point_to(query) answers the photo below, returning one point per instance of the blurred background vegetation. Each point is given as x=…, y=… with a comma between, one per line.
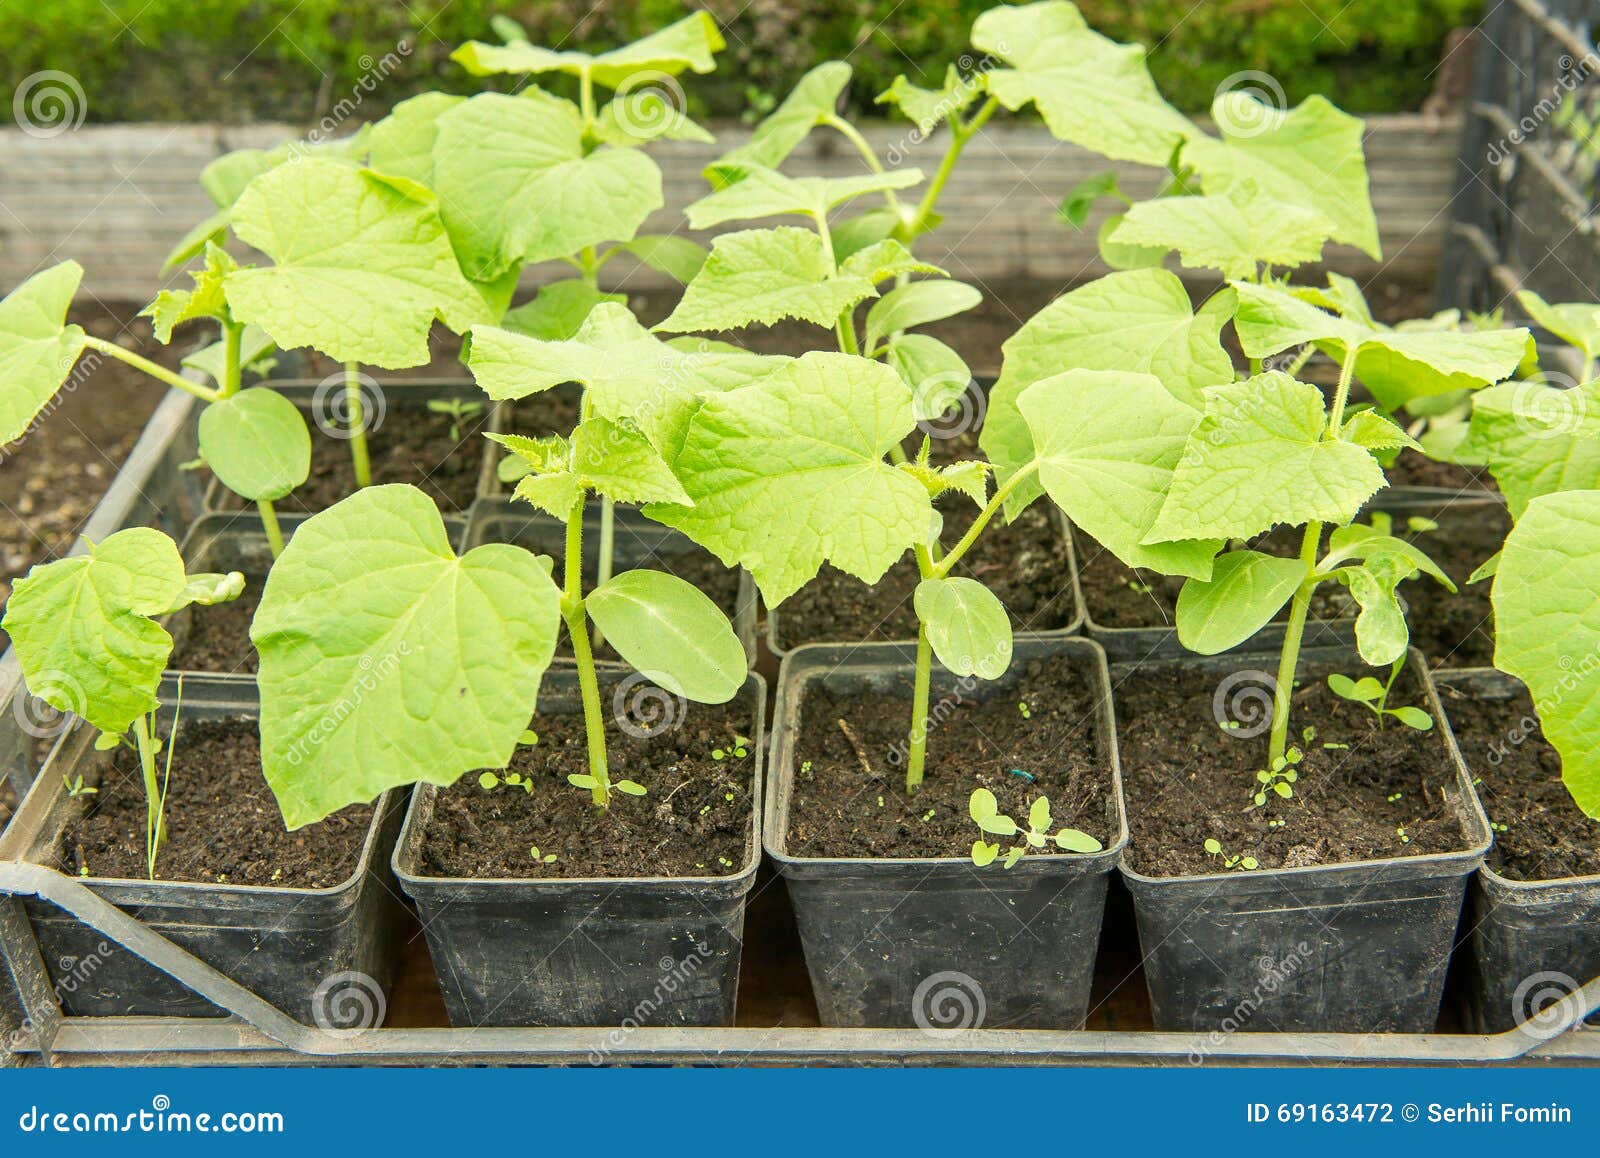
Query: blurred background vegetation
x=293, y=60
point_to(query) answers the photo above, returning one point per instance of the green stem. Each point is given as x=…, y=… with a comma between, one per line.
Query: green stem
x=269, y=522
x=158, y=372
x=232, y=333
x=576, y=619
x=845, y=328
x=960, y=133
x=608, y=547
x=918, y=754
x=357, y=422
x=586, y=99
x=1341, y=394
x=589, y=266
x=144, y=736
x=953, y=556
x=1294, y=633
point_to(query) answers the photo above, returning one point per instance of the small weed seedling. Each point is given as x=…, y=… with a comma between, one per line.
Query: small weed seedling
x=985, y=812
x=1375, y=695
x=459, y=409
x=1238, y=861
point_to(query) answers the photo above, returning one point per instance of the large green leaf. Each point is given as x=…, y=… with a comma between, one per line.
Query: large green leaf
x=37, y=347
x=1538, y=439
x=677, y=257
x=1258, y=458
x=1577, y=323
x=916, y=303
x=620, y=463
x=967, y=626
x=1107, y=444
x=386, y=660
x=690, y=43
x=1139, y=321
x=789, y=472
x=256, y=443
x=1395, y=364
x=362, y=267
x=809, y=103
x=1091, y=91
x=759, y=193
x=1234, y=232
x=672, y=632
x=558, y=310
x=762, y=276
x=84, y=627
x=516, y=185
x=937, y=375
x=402, y=143
x=1310, y=156
x=1246, y=589
x=1547, y=628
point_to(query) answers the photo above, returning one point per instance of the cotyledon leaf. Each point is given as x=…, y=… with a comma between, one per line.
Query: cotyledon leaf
x=967, y=626
x=672, y=632
x=386, y=660
x=37, y=347
x=1246, y=589
x=690, y=43
x=256, y=443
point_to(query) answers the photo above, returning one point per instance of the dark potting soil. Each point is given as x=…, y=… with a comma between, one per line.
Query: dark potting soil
x=694, y=822
x=1189, y=780
x=218, y=639
x=1411, y=469
x=1518, y=777
x=849, y=792
x=1024, y=563
x=1117, y=596
x=1457, y=630
x=543, y=414
x=223, y=825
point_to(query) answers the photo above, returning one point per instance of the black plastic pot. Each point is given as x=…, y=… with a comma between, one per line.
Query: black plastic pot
x=636, y=542
x=306, y=951
x=781, y=646
x=935, y=942
x=625, y=952
x=1530, y=941
x=1342, y=948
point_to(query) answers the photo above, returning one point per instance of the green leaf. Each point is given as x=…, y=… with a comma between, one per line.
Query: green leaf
x=984, y=853
x=1487, y=569
x=1576, y=323
x=1372, y=430
x=763, y=276
x=865, y=230
x=1091, y=91
x=208, y=588
x=677, y=257
x=544, y=455
x=341, y=236
x=998, y=825
x=788, y=473
x=1413, y=718
x=981, y=805
x=928, y=108
x=555, y=494
x=1395, y=364
x=1039, y=814
x=1547, y=628
x=672, y=632
x=619, y=462
x=809, y=103
x=1362, y=542
x=213, y=230
x=1074, y=841
x=206, y=300
x=916, y=303
x=967, y=626
x=1121, y=256
x=1364, y=691
x=758, y=193
x=936, y=374
x=83, y=627
x=386, y=660
x=1013, y=856
x=629, y=787
x=1107, y=445
x=403, y=141
x=1258, y=458
x=690, y=43
x=1138, y=321
x=1310, y=156
x=1075, y=206
x=256, y=443
x=1381, y=632
x=1538, y=439
x=644, y=114
x=1234, y=232
x=1246, y=589
x=558, y=310
x=517, y=187
x=882, y=260
x=37, y=347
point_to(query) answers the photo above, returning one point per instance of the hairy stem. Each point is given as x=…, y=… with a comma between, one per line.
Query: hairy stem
x=576, y=619
x=269, y=523
x=917, y=756
x=1289, y=658
x=158, y=372
x=589, y=264
x=608, y=550
x=357, y=421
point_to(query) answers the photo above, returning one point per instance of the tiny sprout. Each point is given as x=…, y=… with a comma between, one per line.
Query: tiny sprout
x=1401, y=833
x=705, y=810
x=1330, y=746
x=927, y=816
x=880, y=802
x=1213, y=849
x=728, y=796
x=1309, y=734
x=724, y=862
x=718, y=754
x=76, y=787
x=1395, y=796
x=985, y=812
x=1022, y=707
x=805, y=766
x=1375, y=696
x=488, y=781
x=549, y=858
x=1498, y=827
x=1280, y=778
x=459, y=410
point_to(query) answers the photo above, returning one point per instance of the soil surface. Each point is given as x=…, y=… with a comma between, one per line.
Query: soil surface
x=1518, y=776
x=1189, y=780
x=849, y=792
x=1457, y=630
x=695, y=820
x=223, y=825
x=53, y=476
x=1411, y=469
x=218, y=639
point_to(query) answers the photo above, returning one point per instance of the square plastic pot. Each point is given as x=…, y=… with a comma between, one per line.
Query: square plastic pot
x=657, y=951
x=298, y=949
x=636, y=542
x=1341, y=948
x=1531, y=942
x=893, y=942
